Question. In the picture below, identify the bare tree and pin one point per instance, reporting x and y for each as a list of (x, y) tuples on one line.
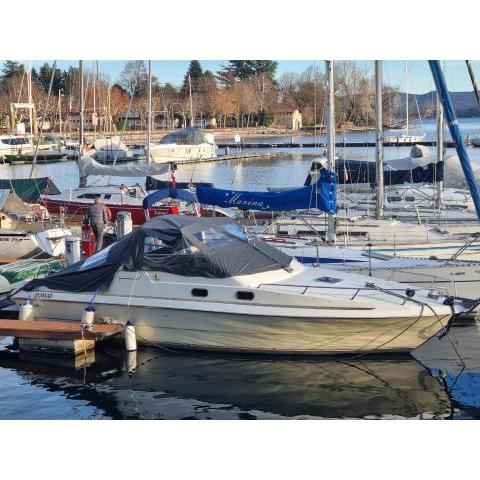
[(133, 77)]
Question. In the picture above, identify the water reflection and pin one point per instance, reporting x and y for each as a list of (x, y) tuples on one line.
[(177, 385)]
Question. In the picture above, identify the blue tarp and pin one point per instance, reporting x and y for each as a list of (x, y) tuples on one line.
[(178, 193), (322, 195)]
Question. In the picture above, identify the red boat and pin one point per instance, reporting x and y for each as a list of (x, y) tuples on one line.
[(116, 198)]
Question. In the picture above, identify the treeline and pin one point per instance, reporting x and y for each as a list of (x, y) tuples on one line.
[(242, 93)]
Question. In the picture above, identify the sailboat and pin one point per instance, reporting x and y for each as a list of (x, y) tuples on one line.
[(406, 137), (118, 198), (22, 230)]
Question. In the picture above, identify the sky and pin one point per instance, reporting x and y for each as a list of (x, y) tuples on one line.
[(419, 76)]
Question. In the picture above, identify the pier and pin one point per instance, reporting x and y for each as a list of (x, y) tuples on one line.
[(427, 143), (57, 336)]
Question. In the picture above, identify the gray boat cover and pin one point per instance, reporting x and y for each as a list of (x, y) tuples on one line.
[(88, 166), (180, 245), (186, 136)]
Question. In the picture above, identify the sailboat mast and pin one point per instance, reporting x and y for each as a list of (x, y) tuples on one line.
[(30, 101), (440, 142), (94, 114), (191, 101), (406, 94), (472, 79), (379, 137), (80, 140), (455, 132), (149, 110), (330, 142)]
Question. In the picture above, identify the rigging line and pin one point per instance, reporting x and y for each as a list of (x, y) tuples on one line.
[(34, 161)]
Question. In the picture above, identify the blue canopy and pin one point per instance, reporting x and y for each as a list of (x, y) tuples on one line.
[(321, 195), (168, 192)]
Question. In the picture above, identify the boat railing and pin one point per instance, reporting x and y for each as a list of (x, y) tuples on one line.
[(368, 287)]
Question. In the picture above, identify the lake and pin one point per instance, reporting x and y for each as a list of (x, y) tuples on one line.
[(432, 384)]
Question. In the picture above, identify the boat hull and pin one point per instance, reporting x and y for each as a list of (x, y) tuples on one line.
[(18, 245), (203, 329), (136, 211)]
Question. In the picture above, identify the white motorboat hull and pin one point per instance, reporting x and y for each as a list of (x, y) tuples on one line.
[(218, 327), (164, 153)]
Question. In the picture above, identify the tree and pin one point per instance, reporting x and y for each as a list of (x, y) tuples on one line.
[(133, 78), (304, 91), (239, 70), (195, 73), (12, 68), (45, 74)]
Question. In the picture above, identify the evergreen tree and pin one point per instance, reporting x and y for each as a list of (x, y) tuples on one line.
[(12, 68), (238, 70), (44, 75), (196, 74)]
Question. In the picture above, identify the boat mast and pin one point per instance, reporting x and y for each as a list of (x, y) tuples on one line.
[(94, 114), (455, 132), (30, 101), (80, 139), (472, 79), (406, 94), (191, 101), (149, 110), (379, 137), (330, 142), (440, 142)]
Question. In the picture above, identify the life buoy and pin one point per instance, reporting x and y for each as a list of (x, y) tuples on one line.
[(39, 212)]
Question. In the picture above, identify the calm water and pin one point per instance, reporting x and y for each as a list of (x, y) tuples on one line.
[(430, 385), (433, 384), (288, 169)]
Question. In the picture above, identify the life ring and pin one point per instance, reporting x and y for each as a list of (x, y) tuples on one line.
[(39, 212)]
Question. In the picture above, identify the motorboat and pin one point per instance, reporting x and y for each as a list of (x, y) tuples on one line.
[(21, 149), (203, 283), (186, 144), (111, 149)]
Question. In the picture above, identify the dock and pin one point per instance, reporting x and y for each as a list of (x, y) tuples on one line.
[(222, 158), (427, 143), (57, 336)]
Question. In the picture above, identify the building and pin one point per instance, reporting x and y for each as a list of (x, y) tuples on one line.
[(288, 118)]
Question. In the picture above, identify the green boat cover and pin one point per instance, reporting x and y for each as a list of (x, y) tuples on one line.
[(29, 269), (30, 189)]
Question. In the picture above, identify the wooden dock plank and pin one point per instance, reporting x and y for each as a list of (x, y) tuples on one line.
[(56, 330)]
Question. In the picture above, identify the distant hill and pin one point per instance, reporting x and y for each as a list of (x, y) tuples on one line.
[(465, 104)]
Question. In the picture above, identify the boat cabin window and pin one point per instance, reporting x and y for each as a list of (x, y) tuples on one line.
[(409, 199), (394, 199), (107, 196), (90, 195), (242, 295), (199, 292), (15, 141)]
